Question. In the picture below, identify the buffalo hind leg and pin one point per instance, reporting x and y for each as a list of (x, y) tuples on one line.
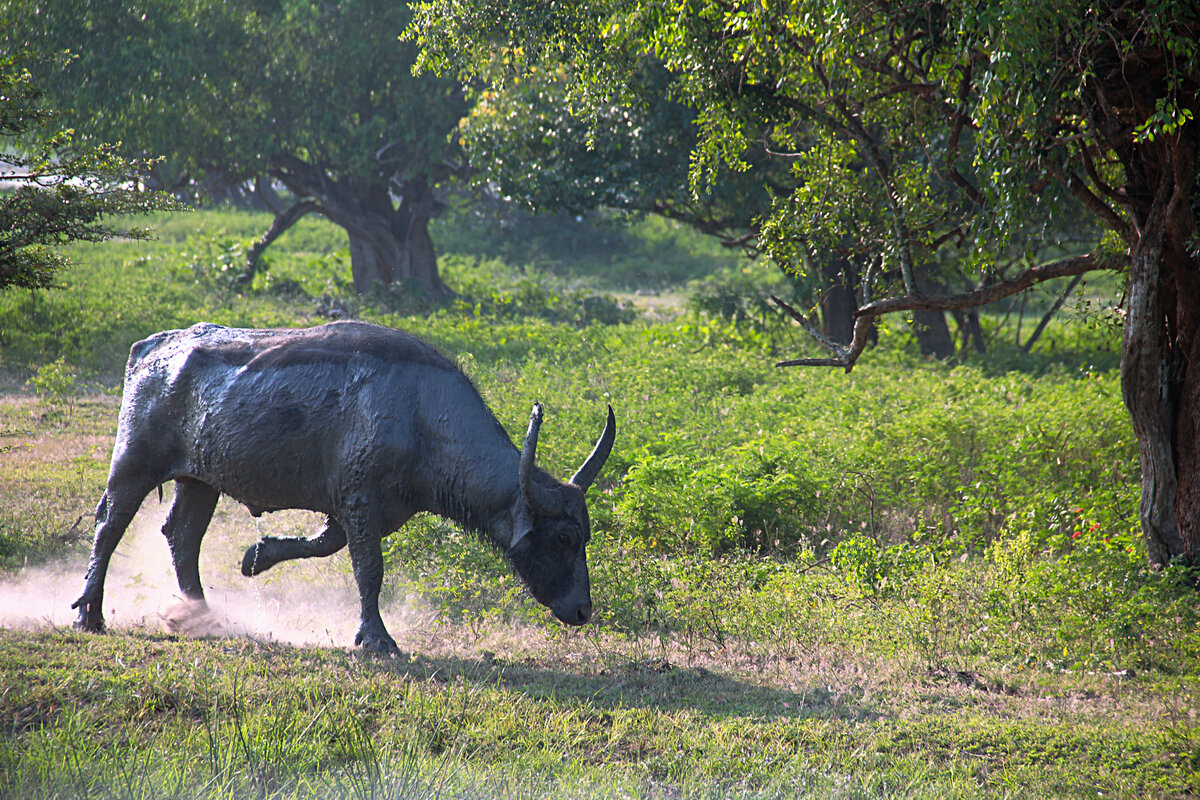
[(113, 515), (265, 554), (186, 523)]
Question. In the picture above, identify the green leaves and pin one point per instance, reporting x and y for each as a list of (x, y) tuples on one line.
[(944, 141), (64, 191)]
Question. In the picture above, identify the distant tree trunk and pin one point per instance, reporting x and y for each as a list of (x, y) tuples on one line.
[(970, 330), (838, 302), (933, 335), (389, 238)]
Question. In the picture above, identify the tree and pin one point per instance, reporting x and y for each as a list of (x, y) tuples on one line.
[(60, 192), (316, 97), (551, 155), (971, 130), (548, 151)]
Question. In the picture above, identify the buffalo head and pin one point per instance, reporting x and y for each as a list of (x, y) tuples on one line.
[(551, 531)]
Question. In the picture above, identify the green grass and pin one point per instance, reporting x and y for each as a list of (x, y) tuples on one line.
[(152, 716), (916, 580)]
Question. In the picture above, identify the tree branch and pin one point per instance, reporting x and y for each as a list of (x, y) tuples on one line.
[(1062, 298), (846, 356), (989, 294), (283, 221), (1097, 206)]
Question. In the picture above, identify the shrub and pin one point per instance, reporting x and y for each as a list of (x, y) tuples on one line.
[(54, 383)]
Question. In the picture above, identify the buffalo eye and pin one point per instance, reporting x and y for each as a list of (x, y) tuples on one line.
[(564, 540)]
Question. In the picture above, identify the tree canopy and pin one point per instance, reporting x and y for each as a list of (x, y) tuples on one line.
[(550, 154), (318, 97), (1009, 142), (58, 191)]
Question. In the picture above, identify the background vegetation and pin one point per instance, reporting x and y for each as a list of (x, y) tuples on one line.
[(920, 579)]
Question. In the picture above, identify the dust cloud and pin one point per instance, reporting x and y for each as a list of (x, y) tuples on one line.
[(313, 602)]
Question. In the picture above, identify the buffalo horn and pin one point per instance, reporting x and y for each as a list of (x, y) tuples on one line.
[(591, 468), (541, 500)]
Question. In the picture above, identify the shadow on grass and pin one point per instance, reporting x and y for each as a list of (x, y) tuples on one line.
[(612, 684), (650, 683)]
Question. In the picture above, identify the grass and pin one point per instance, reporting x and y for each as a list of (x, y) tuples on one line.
[(557, 716), (916, 580)]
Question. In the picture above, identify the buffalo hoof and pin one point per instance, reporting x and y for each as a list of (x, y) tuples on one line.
[(377, 642), (256, 560), (88, 620)]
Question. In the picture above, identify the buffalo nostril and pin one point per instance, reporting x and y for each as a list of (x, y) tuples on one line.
[(585, 613)]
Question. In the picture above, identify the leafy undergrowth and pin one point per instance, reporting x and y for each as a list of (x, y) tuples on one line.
[(526, 714)]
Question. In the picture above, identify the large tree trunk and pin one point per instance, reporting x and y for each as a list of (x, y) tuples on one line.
[(1160, 357), (390, 244), (1160, 363)]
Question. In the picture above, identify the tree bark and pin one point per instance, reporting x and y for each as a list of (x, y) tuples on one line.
[(1160, 361), (1131, 78), (391, 243)]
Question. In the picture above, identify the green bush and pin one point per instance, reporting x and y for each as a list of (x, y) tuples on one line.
[(55, 383), (488, 289)]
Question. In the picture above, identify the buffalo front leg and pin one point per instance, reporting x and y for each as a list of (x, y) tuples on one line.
[(265, 554), (364, 534), (113, 514), (184, 528)]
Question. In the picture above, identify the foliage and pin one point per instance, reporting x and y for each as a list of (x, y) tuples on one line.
[(855, 100), (60, 191), (55, 383), (318, 97), (918, 580), (928, 143), (545, 151), (740, 295)]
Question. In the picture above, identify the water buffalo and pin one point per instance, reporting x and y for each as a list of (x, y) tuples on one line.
[(364, 424)]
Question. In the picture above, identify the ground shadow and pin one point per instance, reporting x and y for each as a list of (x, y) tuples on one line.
[(649, 683)]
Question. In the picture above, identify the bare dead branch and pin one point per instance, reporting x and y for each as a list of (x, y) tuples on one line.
[(845, 356), (809, 326), (997, 291)]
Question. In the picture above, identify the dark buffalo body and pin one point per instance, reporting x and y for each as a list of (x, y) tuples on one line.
[(364, 424)]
